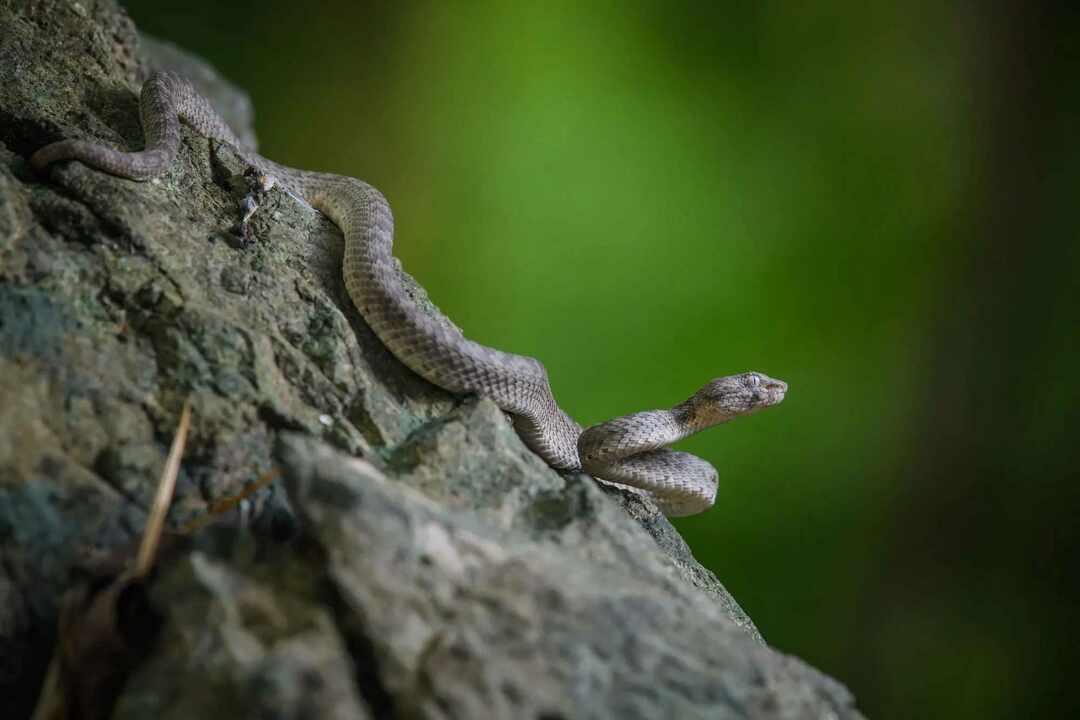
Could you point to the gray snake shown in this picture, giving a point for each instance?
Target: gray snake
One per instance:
(629, 450)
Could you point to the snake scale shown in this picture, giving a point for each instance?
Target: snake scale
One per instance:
(629, 450)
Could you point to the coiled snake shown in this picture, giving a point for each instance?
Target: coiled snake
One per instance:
(629, 450)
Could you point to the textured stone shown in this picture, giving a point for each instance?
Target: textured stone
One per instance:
(447, 573)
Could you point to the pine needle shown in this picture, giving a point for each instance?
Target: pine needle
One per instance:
(156, 520)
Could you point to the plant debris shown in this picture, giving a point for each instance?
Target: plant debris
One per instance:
(108, 625)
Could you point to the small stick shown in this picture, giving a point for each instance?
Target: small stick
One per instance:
(154, 522)
(221, 505)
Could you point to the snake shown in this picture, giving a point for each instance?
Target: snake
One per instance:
(630, 451)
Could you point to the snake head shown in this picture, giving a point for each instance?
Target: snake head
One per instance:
(729, 397)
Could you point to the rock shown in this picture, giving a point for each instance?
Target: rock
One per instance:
(441, 569)
(268, 645)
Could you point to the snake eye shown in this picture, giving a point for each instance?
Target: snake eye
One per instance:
(753, 380)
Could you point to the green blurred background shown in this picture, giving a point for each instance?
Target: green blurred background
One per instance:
(872, 201)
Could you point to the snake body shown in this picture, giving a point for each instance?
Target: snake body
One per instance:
(629, 450)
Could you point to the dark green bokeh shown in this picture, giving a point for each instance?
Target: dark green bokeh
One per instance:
(869, 201)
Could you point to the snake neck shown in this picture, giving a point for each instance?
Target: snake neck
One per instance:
(692, 417)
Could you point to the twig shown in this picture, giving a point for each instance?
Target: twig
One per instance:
(221, 505)
(154, 522)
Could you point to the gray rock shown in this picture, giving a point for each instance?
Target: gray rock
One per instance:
(447, 572)
(244, 639)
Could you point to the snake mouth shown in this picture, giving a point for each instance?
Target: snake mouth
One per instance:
(775, 390)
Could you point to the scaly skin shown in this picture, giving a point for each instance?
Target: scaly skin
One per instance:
(627, 450)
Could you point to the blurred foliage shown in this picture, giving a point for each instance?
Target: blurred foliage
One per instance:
(646, 195)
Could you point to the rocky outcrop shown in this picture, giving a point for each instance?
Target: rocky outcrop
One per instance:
(440, 568)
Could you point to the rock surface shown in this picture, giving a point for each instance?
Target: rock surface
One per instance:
(441, 570)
